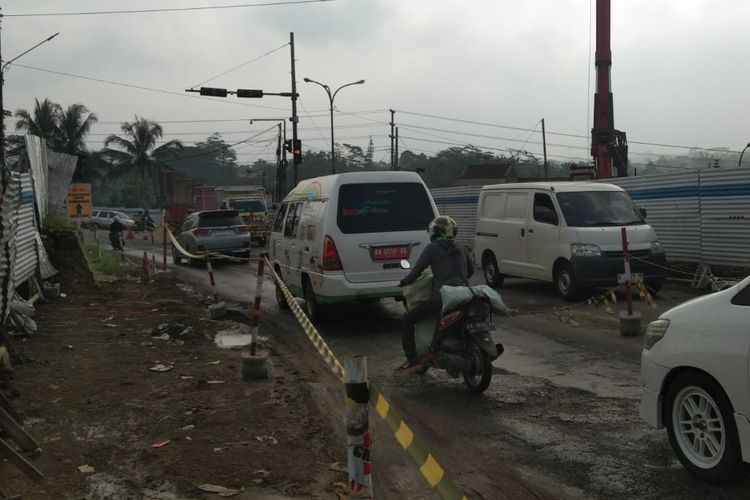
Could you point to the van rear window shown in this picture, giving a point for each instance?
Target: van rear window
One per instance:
(383, 207)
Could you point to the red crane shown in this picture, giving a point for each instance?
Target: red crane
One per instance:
(609, 147)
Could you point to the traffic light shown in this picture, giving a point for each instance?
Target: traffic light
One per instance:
(288, 145)
(297, 150)
(249, 93)
(213, 92)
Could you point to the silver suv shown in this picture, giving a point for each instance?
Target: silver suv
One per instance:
(217, 231)
(104, 218)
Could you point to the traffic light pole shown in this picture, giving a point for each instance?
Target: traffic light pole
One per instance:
(296, 159)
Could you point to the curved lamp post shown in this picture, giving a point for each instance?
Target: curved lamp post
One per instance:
(743, 152)
(331, 97)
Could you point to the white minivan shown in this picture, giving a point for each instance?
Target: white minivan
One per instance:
(568, 233)
(340, 238)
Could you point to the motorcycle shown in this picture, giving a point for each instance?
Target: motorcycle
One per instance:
(460, 341)
(117, 241)
(144, 224)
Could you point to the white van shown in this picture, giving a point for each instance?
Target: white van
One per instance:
(340, 238)
(568, 233)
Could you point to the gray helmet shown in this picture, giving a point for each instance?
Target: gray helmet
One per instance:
(443, 227)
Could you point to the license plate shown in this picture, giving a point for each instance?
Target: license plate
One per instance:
(480, 325)
(389, 253)
(621, 278)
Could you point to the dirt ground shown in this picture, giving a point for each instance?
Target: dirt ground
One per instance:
(90, 398)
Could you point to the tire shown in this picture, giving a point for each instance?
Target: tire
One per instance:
(280, 298)
(565, 282)
(176, 257)
(311, 305)
(478, 372)
(491, 271)
(721, 461)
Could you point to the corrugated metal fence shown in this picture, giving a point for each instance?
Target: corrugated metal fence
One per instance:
(700, 217)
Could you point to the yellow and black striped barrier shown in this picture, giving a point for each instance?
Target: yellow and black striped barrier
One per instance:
(428, 465)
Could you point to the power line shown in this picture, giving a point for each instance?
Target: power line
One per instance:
(241, 65)
(173, 9)
(227, 146)
(140, 87)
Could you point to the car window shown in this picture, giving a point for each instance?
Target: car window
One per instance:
(257, 205)
(383, 207)
(292, 220)
(219, 219)
(516, 206)
(493, 206)
(544, 209)
(279, 222)
(743, 297)
(187, 225)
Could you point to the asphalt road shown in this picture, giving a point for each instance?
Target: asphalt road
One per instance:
(560, 419)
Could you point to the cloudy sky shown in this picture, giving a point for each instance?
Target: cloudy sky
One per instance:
(457, 72)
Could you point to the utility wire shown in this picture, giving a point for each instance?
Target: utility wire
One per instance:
(172, 9)
(227, 146)
(241, 65)
(140, 87)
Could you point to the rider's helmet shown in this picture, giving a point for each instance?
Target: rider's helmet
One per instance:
(443, 228)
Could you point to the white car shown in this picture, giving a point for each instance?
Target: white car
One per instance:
(104, 218)
(695, 375)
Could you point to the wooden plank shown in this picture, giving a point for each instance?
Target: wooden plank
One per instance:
(17, 433)
(20, 462)
(5, 405)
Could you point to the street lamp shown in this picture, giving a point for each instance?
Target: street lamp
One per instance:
(331, 97)
(743, 152)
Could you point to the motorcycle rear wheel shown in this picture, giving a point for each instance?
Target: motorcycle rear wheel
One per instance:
(478, 371)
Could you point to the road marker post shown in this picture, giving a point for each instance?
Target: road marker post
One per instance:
(145, 272)
(164, 239)
(210, 270)
(630, 321)
(358, 435)
(254, 364)
(256, 305)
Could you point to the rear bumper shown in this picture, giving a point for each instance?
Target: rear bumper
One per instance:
(603, 271)
(336, 289)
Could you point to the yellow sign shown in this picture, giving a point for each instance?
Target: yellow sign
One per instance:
(79, 200)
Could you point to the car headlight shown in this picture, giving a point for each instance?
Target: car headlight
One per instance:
(578, 250)
(656, 247)
(654, 332)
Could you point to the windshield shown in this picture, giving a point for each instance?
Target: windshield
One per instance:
(219, 218)
(598, 208)
(383, 207)
(248, 205)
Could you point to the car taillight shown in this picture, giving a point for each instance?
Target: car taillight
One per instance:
(200, 230)
(243, 229)
(478, 310)
(331, 260)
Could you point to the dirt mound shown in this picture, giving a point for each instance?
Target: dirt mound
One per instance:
(66, 254)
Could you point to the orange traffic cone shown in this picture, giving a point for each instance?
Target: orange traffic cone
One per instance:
(130, 235)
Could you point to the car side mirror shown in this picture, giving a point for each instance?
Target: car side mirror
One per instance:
(405, 264)
(643, 212)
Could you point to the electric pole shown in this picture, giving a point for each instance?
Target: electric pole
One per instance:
(393, 163)
(395, 158)
(296, 160)
(544, 148)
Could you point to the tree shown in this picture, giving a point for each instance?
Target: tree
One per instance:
(138, 153)
(72, 129)
(213, 161)
(44, 123)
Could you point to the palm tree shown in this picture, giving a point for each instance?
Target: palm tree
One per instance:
(44, 123)
(139, 152)
(72, 129)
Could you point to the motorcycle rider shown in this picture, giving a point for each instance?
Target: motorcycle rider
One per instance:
(450, 264)
(115, 234)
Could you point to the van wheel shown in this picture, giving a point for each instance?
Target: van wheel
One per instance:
(565, 282)
(311, 305)
(491, 272)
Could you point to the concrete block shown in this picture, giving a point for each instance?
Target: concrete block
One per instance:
(218, 310)
(256, 367)
(630, 325)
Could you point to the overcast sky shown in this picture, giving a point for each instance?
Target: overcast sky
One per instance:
(680, 75)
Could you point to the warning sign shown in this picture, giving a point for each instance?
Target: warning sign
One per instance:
(79, 200)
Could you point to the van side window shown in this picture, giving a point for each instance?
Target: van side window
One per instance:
(742, 298)
(292, 220)
(493, 206)
(544, 209)
(278, 223)
(516, 206)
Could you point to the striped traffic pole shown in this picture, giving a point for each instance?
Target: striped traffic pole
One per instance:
(358, 438)
(210, 269)
(164, 239)
(256, 305)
